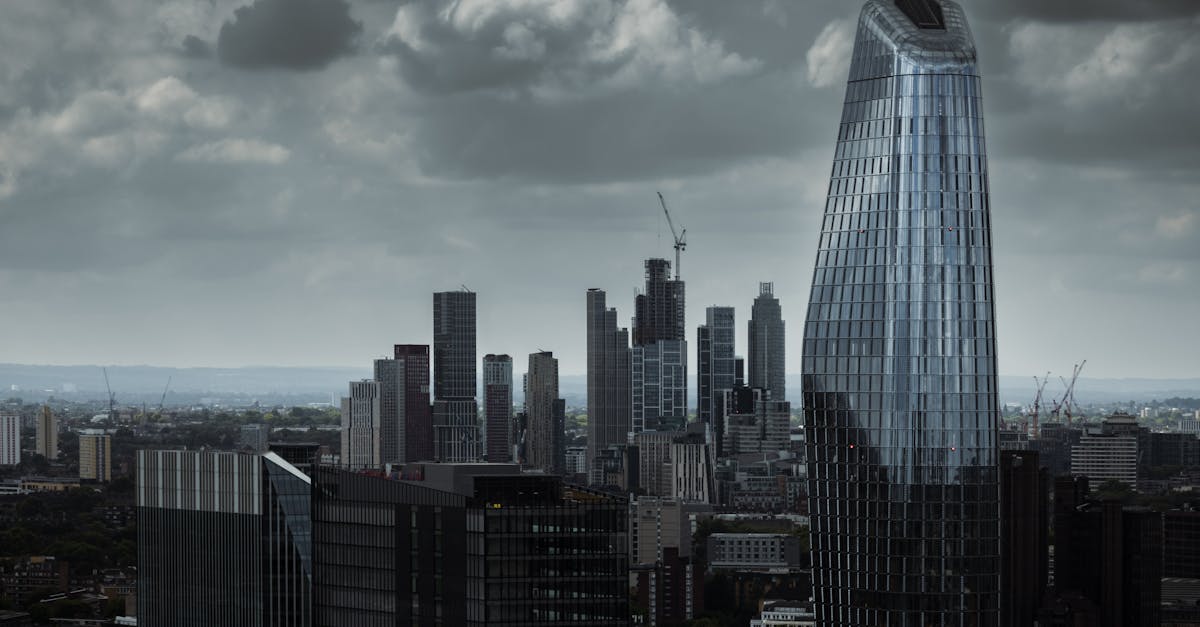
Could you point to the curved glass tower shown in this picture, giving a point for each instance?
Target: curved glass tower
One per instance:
(899, 343)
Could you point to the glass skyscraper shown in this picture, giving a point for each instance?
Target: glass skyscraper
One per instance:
(899, 343)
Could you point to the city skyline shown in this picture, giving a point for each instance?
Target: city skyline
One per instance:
(164, 185)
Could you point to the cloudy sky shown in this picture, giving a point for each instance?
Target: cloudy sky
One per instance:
(285, 182)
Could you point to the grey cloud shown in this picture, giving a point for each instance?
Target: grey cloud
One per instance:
(196, 48)
(291, 34)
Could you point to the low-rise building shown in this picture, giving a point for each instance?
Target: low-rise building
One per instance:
(763, 552)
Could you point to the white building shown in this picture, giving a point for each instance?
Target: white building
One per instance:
(1102, 457)
(785, 614)
(10, 440)
(361, 417)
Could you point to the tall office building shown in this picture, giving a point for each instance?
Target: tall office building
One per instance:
(223, 539)
(659, 311)
(389, 374)
(10, 440)
(608, 381)
(765, 342)
(455, 407)
(417, 416)
(95, 457)
(498, 407)
(1024, 536)
(544, 439)
(47, 434)
(899, 346)
(466, 544)
(361, 417)
(716, 367)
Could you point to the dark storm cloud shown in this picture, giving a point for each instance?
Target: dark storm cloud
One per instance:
(1086, 10)
(291, 34)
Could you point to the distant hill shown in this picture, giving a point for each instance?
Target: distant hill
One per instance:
(277, 384)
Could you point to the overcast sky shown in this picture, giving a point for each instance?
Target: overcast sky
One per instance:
(192, 183)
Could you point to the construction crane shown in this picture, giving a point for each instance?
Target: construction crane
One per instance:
(112, 399)
(1037, 402)
(680, 238)
(162, 401)
(1069, 397)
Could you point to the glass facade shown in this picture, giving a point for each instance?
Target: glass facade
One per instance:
(899, 345)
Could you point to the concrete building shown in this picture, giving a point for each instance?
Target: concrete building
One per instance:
(457, 436)
(223, 539)
(667, 576)
(47, 434)
(10, 440)
(361, 416)
(659, 359)
(659, 310)
(608, 387)
(692, 468)
(1101, 457)
(95, 457)
(779, 613)
(546, 412)
(764, 552)
(765, 347)
(576, 459)
(498, 408)
(654, 462)
(754, 423)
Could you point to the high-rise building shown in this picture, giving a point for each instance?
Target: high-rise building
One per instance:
(10, 440)
(389, 374)
(223, 539)
(545, 443)
(659, 377)
(670, 578)
(47, 434)
(765, 344)
(1024, 536)
(659, 311)
(360, 426)
(899, 346)
(754, 423)
(608, 386)
(417, 417)
(469, 544)
(456, 431)
(498, 407)
(95, 457)
(659, 360)
(715, 368)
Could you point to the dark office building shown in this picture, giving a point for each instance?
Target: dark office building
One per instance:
(608, 387)
(1024, 536)
(1053, 444)
(498, 408)
(456, 431)
(659, 311)
(1109, 554)
(765, 333)
(471, 544)
(1181, 544)
(715, 366)
(417, 416)
(899, 363)
(1172, 449)
(223, 539)
(545, 440)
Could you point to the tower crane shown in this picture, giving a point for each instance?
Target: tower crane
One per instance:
(162, 401)
(112, 399)
(680, 238)
(1037, 402)
(1070, 395)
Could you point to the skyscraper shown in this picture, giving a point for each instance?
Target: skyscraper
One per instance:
(497, 407)
(95, 457)
(899, 345)
(455, 408)
(47, 434)
(608, 380)
(10, 440)
(659, 365)
(765, 341)
(389, 373)
(223, 539)
(360, 426)
(715, 368)
(417, 419)
(545, 447)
